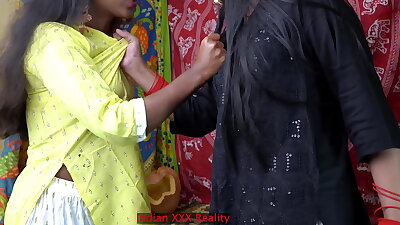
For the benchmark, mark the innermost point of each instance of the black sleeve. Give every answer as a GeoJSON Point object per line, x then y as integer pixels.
{"type": "Point", "coordinates": [197, 116]}
{"type": "Point", "coordinates": [339, 44]}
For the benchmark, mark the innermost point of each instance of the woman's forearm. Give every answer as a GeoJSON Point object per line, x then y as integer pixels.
{"type": "Point", "coordinates": [161, 104]}
{"type": "Point", "coordinates": [385, 169]}
{"type": "Point", "coordinates": [144, 80]}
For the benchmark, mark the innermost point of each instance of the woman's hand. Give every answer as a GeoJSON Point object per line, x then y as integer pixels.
{"type": "Point", "coordinates": [133, 55]}
{"type": "Point", "coordinates": [133, 64]}
{"type": "Point", "coordinates": [210, 58]}
{"type": "Point", "coordinates": [161, 104]}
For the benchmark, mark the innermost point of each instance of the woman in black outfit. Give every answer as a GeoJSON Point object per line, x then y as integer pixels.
{"type": "Point", "coordinates": [298, 81]}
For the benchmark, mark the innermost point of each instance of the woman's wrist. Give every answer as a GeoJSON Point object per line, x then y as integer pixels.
{"type": "Point", "coordinates": [193, 79]}
{"type": "Point", "coordinates": [392, 213]}
{"type": "Point", "coordinates": [158, 84]}
{"type": "Point", "coordinates": [199, 75]}
{"type": "Point", "coordinates": [142, 75]}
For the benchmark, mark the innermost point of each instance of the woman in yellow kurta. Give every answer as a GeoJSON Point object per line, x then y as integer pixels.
{"type": "Point", "coordinates": [80, 115]}
{"type": "Point", "coordinates": [71, 105]}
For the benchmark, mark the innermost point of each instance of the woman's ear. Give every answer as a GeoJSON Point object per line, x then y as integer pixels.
{"type": "Point", "coordinates": [86, 15]}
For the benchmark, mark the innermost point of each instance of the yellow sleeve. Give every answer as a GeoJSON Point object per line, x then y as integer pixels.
{"type": "Point", "coordinates": [66, 70]}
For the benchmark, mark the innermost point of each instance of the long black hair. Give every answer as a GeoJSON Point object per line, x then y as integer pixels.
{"type": "Point", "coordinates": [12, 76]}
{"type": "Point", "coordinates": [240, 66]}
{"type": "Point", "coordinates": [239, 75]}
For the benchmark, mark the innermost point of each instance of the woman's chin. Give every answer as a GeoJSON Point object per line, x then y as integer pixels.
{"type": "Point", "coordinates": [126, 14]}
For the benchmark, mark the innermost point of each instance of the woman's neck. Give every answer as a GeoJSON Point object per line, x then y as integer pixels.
{"type": "Point", "coordinates": [101, 20]}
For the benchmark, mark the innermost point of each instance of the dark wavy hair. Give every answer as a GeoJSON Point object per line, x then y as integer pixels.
{"type": "Point", "coordinates": [240, 77]}
{"type": "Point", "coordinates": [12, 76]}
{"type": "Point", "coordinates": [239, 67]}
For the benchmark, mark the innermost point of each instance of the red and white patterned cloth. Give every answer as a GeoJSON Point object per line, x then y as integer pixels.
{"type": "Point", "coordinates": [190, 21]}
{"type": "Point", "coordinates": [381, 23]}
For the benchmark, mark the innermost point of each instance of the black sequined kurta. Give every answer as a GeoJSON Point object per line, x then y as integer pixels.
{"type": "Point", "coordinates": [306, 115]}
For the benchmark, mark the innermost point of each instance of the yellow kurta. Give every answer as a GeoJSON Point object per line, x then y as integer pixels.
{"type": "Point", "coordinates": [77, 116]}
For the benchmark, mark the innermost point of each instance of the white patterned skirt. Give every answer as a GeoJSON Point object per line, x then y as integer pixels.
{"type": "Point", "coordinates": [60, 204]}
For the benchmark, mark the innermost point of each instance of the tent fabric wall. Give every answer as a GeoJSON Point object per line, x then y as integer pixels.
{"type": "Point", "coordinates": [166, 154]}
{"type": "Point", "coordinates": [9, 170]}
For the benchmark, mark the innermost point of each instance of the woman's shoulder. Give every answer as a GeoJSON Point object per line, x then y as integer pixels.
{"type": "Point", "coordinates": [53, 25]}
{"type": "Point", "coordinates": [49, 32]}
{"type": "Point", "coordinates": [55, 37]}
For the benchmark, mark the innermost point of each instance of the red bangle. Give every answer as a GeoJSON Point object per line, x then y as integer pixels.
{"type": "Point", "coordinates": [380, 190]}
{"type": "Point", "coordinates": [387, 222]}
{"type": "Point", "coordinates": [156, 77]}
{"type": "Point", "coordinates": [158, 84]}
{"type": "Point", "coordinates": [385, 192]}
{"type": "Point", "coordinates": [385, 207]}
